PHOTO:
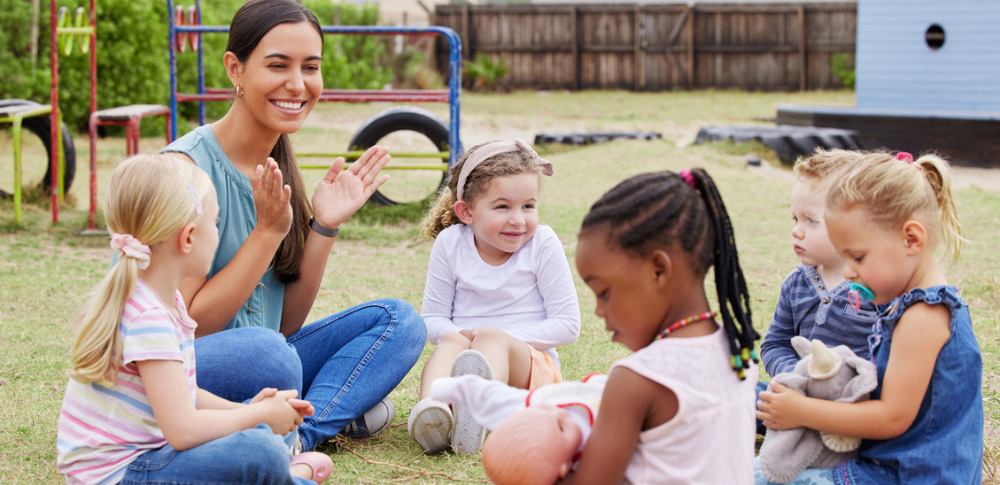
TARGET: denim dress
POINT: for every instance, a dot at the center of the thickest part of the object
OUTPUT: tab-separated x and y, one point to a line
944	445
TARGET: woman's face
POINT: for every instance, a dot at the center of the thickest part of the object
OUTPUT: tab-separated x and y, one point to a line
281	79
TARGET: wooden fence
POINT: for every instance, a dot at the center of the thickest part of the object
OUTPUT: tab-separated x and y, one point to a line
658	47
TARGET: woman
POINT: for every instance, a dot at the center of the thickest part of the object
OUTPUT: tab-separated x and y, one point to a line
272	254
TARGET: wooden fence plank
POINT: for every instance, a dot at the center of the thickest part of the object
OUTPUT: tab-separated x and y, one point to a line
655	47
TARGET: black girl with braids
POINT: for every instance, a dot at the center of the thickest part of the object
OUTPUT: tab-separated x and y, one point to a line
675	410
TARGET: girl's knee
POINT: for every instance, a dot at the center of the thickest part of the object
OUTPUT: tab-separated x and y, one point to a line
454	340
491	336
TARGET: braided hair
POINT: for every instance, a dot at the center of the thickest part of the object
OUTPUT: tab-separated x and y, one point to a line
653	210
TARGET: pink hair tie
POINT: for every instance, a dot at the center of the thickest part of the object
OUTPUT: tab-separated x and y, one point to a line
905	156
130	247
687	176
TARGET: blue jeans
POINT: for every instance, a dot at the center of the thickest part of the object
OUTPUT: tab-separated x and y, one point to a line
255	456
343	364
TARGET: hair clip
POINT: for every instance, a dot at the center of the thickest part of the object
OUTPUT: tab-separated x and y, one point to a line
857	294
197	200
904	156
687	176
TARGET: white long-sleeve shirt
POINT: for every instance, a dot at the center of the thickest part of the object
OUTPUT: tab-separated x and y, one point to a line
531	296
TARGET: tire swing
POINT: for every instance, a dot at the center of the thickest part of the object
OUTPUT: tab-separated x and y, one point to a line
41	127
402	118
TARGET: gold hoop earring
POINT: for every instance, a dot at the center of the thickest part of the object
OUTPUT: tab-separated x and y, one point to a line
239	90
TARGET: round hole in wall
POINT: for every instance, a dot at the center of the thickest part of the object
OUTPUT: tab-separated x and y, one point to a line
934	37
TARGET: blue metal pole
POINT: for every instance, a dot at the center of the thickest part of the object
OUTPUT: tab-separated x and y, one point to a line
201	68
454	95
171	36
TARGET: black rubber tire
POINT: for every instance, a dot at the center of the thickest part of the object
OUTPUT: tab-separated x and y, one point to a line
41	126
402	118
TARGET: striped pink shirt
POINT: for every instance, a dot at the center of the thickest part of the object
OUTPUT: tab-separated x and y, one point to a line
102	429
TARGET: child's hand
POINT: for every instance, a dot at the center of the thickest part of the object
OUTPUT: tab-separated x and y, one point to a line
264	393
279	413
271	199
779	407
469	334
303	407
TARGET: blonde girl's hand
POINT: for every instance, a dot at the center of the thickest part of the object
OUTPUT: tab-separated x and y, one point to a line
342	192
271	199
264	393
303	407
780	407
279	413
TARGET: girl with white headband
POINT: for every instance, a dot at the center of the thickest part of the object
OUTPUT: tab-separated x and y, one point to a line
133	411
499	297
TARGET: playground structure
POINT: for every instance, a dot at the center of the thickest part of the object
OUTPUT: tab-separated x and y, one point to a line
185	31
83	28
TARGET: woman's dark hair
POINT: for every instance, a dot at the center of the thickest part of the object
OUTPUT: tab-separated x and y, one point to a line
250	24
653	210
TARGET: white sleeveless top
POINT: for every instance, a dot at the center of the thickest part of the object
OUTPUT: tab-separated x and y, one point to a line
711	439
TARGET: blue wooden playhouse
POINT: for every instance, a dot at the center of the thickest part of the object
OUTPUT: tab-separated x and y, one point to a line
928	79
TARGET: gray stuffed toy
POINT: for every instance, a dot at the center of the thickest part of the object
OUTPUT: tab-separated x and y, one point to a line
835	374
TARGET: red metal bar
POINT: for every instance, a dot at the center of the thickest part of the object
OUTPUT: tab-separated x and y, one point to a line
92	129
342	95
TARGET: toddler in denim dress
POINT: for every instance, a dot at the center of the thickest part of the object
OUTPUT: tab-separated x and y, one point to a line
924	421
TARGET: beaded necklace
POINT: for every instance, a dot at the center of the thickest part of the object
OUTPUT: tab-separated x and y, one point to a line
683	323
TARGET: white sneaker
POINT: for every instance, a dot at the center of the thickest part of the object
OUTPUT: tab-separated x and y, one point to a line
430	424
469	434
373	422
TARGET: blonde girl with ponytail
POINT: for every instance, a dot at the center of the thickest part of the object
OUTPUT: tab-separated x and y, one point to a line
924	424
133	392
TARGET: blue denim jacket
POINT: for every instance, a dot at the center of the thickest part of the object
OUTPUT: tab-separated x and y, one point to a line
944	445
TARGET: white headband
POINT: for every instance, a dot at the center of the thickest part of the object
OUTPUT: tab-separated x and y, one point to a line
495	148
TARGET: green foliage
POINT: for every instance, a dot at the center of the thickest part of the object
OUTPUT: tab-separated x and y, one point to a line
133	64
483	73
352	61
843	68
19	75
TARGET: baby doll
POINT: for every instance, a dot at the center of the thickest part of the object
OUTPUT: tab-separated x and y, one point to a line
835	374
536	436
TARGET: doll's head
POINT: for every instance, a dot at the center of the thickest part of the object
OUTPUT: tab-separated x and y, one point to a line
535	445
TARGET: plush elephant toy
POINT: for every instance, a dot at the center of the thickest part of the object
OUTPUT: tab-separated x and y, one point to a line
835	374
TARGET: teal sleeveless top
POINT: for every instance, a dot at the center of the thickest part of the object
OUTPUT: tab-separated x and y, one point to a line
237	217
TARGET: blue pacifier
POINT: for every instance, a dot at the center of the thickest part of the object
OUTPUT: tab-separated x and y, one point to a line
857	294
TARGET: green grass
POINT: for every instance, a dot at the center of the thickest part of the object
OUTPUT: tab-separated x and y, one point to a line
44	268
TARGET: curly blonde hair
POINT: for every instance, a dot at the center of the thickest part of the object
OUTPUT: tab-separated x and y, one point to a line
442	213
892	191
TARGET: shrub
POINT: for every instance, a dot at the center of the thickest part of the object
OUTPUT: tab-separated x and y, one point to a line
843	68
483	73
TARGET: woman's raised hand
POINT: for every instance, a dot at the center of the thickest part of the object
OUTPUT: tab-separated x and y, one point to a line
342	192
271	199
